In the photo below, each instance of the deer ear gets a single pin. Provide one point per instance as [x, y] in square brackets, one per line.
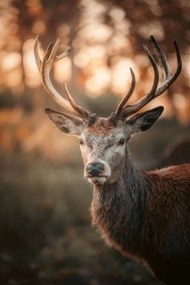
[66, 123]
[144, 121]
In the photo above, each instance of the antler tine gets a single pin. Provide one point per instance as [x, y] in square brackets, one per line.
[44, 66]
[155, 90]
[162, 60]
[53, 51]
[45, 73]
[62, 55]
[170, 79]
[77, 108]
[53, 55]
[130, 109]
[126, 98]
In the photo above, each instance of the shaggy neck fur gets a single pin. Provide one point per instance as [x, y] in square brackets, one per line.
[118, 210]
[145, 215]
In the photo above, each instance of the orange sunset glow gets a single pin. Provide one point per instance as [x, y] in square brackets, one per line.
[102, 51]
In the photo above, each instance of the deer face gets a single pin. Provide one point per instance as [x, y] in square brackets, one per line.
[103, 142]
[103, 150]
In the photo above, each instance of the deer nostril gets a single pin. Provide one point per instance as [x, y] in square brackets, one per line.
[95, 168]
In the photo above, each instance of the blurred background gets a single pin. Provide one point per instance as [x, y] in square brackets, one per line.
[45, 226]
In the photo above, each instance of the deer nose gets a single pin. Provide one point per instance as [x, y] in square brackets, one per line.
[95, 168]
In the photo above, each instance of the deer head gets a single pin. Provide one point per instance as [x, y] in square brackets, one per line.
[103, 141]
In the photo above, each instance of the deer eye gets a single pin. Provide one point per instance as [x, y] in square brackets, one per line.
[121, 142]
[81, 142]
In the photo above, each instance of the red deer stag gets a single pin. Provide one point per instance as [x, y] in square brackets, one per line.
[143, 214]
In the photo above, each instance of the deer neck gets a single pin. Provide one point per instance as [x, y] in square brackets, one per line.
[120, 206]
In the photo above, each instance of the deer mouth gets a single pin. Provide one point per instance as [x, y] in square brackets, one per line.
[97, 179]
[95, 176]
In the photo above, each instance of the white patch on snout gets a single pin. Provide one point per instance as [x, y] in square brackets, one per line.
[97, 180]
[106, 173]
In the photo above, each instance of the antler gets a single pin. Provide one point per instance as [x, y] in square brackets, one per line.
[124, 110]
[130, 92]
[44, 66]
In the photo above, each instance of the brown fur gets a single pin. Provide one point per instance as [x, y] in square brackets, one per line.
[148, 218]
[102, 126]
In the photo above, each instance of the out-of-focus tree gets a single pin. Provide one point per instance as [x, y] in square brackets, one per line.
[167, 20]
[126, 25]
[106, 39]
[22, 21]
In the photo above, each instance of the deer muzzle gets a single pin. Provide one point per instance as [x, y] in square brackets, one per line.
[97, 172]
